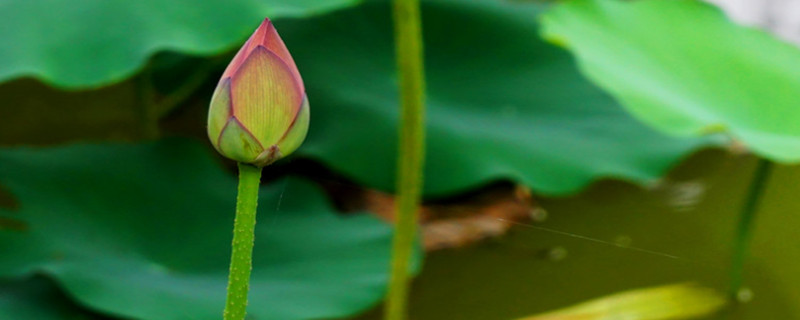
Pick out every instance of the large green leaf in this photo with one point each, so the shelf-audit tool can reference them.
(94, 42)
(502, 104)
(144, 231)
(686, 69)
(665, 302)
(37, 299)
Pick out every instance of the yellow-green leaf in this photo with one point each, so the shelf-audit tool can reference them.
(669, 302)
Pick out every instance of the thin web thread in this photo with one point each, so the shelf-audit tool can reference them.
(608, 243)
(273, 218)
(280, 198)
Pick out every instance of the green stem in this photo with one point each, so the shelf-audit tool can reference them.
(746, 222)
(188, 87)
(145, 104)
(243, 236)
(408, 40)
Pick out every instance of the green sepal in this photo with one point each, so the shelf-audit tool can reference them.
(297, 132)
(219, 112)
(236, 143)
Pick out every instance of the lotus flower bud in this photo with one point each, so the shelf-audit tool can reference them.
(259, 110)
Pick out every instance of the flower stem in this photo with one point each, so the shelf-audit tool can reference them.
(408, 40)
(746, 222)
(188, 87)
(146, 108)
(243, 236)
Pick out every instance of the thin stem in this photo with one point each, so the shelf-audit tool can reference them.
(746, 222)
(146, 108)
(243, 236)
(192, 83)
(408, 40)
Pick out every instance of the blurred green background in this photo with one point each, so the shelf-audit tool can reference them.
(636, 125)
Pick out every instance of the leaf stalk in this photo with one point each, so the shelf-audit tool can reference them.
(744, 231)
(408, 45)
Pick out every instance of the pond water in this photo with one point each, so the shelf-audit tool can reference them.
(615, 236)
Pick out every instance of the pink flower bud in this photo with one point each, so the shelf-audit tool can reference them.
(259, 111)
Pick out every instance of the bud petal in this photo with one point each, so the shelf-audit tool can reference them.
(236, 143)
(220, 111)
(267, 37)
(265, 97)
(297, 132)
